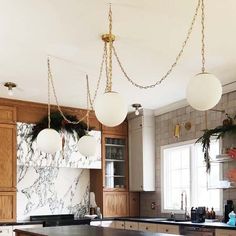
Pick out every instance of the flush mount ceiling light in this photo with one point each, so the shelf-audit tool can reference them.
(203, 91)
(136, 106)
(10, 86)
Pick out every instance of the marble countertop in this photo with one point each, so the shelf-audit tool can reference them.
(26, 222)
(84, 230)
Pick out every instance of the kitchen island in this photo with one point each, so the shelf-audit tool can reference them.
(83, 230)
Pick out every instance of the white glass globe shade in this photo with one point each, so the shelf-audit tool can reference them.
(111, 109)
(204, 91)
(87, 145)
(49, 141)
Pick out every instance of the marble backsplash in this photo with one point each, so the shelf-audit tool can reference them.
(50, 190)
(52, 184)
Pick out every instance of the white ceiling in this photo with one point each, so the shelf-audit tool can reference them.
(149, 36)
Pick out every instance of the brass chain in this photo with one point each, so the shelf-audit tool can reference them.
(49, 96)
(203, 35)
(176, 59)
(110, 50)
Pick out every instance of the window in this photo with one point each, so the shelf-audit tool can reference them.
(183, 169)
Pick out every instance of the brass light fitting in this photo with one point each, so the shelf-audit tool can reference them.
(108, 37)
(10, 86)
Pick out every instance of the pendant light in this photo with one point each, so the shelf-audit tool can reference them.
(87, 144)
(49, 140)
(204, 90)
(110, 108)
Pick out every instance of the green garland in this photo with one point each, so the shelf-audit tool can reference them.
(59, 124)
(219, 132)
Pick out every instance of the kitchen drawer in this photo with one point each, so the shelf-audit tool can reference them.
(168, 229)
(120, 224)
(108, 223)
(147, 227)
(225, 232)
(26, 227)
(5, 230)
(131, 225)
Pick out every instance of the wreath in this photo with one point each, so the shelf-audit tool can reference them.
(59, 124)
(219, 132)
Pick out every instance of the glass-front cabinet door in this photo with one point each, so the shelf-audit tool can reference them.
(115, 162)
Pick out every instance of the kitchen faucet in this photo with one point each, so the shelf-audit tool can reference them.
(184, 200)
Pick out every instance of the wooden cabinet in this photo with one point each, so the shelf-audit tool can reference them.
(7, 157)
(6, 230)
(7, 163)
(130, 225)
(225, 232)
(147, 227)
(115, 204)
(142, 153)
(168, 229)
(111, 184)
(7, 206)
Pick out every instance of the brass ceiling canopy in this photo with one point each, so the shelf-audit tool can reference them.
(10, 85)
(108, 37)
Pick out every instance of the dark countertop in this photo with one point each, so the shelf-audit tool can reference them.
(160, 220)
(84, 230)
(27, 222)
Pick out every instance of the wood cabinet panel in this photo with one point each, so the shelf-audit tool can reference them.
(7, 114)
(223, 232)
(134, 204)
(121, 129)
(7, 206)
(148, 227)
(115, 204)
(7, 157)
(168, 229)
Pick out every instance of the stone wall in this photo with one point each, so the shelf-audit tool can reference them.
(164, 135)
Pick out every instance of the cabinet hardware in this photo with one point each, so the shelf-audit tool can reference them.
(1, 231)
(167, 230)
(146, 228)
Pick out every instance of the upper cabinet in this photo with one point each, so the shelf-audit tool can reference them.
(142, 152)
(7, 114)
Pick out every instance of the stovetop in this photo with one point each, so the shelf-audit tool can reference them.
(60, 220)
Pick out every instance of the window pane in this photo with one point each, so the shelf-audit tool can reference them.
(176, 176)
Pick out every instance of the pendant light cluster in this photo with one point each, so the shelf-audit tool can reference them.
(203, 91)
(50, 141)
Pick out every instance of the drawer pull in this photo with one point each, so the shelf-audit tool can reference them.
(122, 225)
(130, 226)
(1, 231)
(167, 230)
(146, 228)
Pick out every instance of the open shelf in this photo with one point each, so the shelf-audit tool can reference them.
(115, 160)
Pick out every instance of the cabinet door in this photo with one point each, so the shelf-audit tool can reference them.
(7, 206)
(135, 160)
(224, 232)
(168, 229)
(7, 157)
(121, 129)
(6, 230)
(147, 227)
(115, 204)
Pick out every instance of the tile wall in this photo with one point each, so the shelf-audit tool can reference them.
(164, 135)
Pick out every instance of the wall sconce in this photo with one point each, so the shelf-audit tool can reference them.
(10, 86)
(177, 129)
(136, 106)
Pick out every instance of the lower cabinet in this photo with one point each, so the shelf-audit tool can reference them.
(115, 204)
(120, 224)
(168, 229)
(7, 206)
(148, 227)
(223, 232)
(6, 230)
(130, 225)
